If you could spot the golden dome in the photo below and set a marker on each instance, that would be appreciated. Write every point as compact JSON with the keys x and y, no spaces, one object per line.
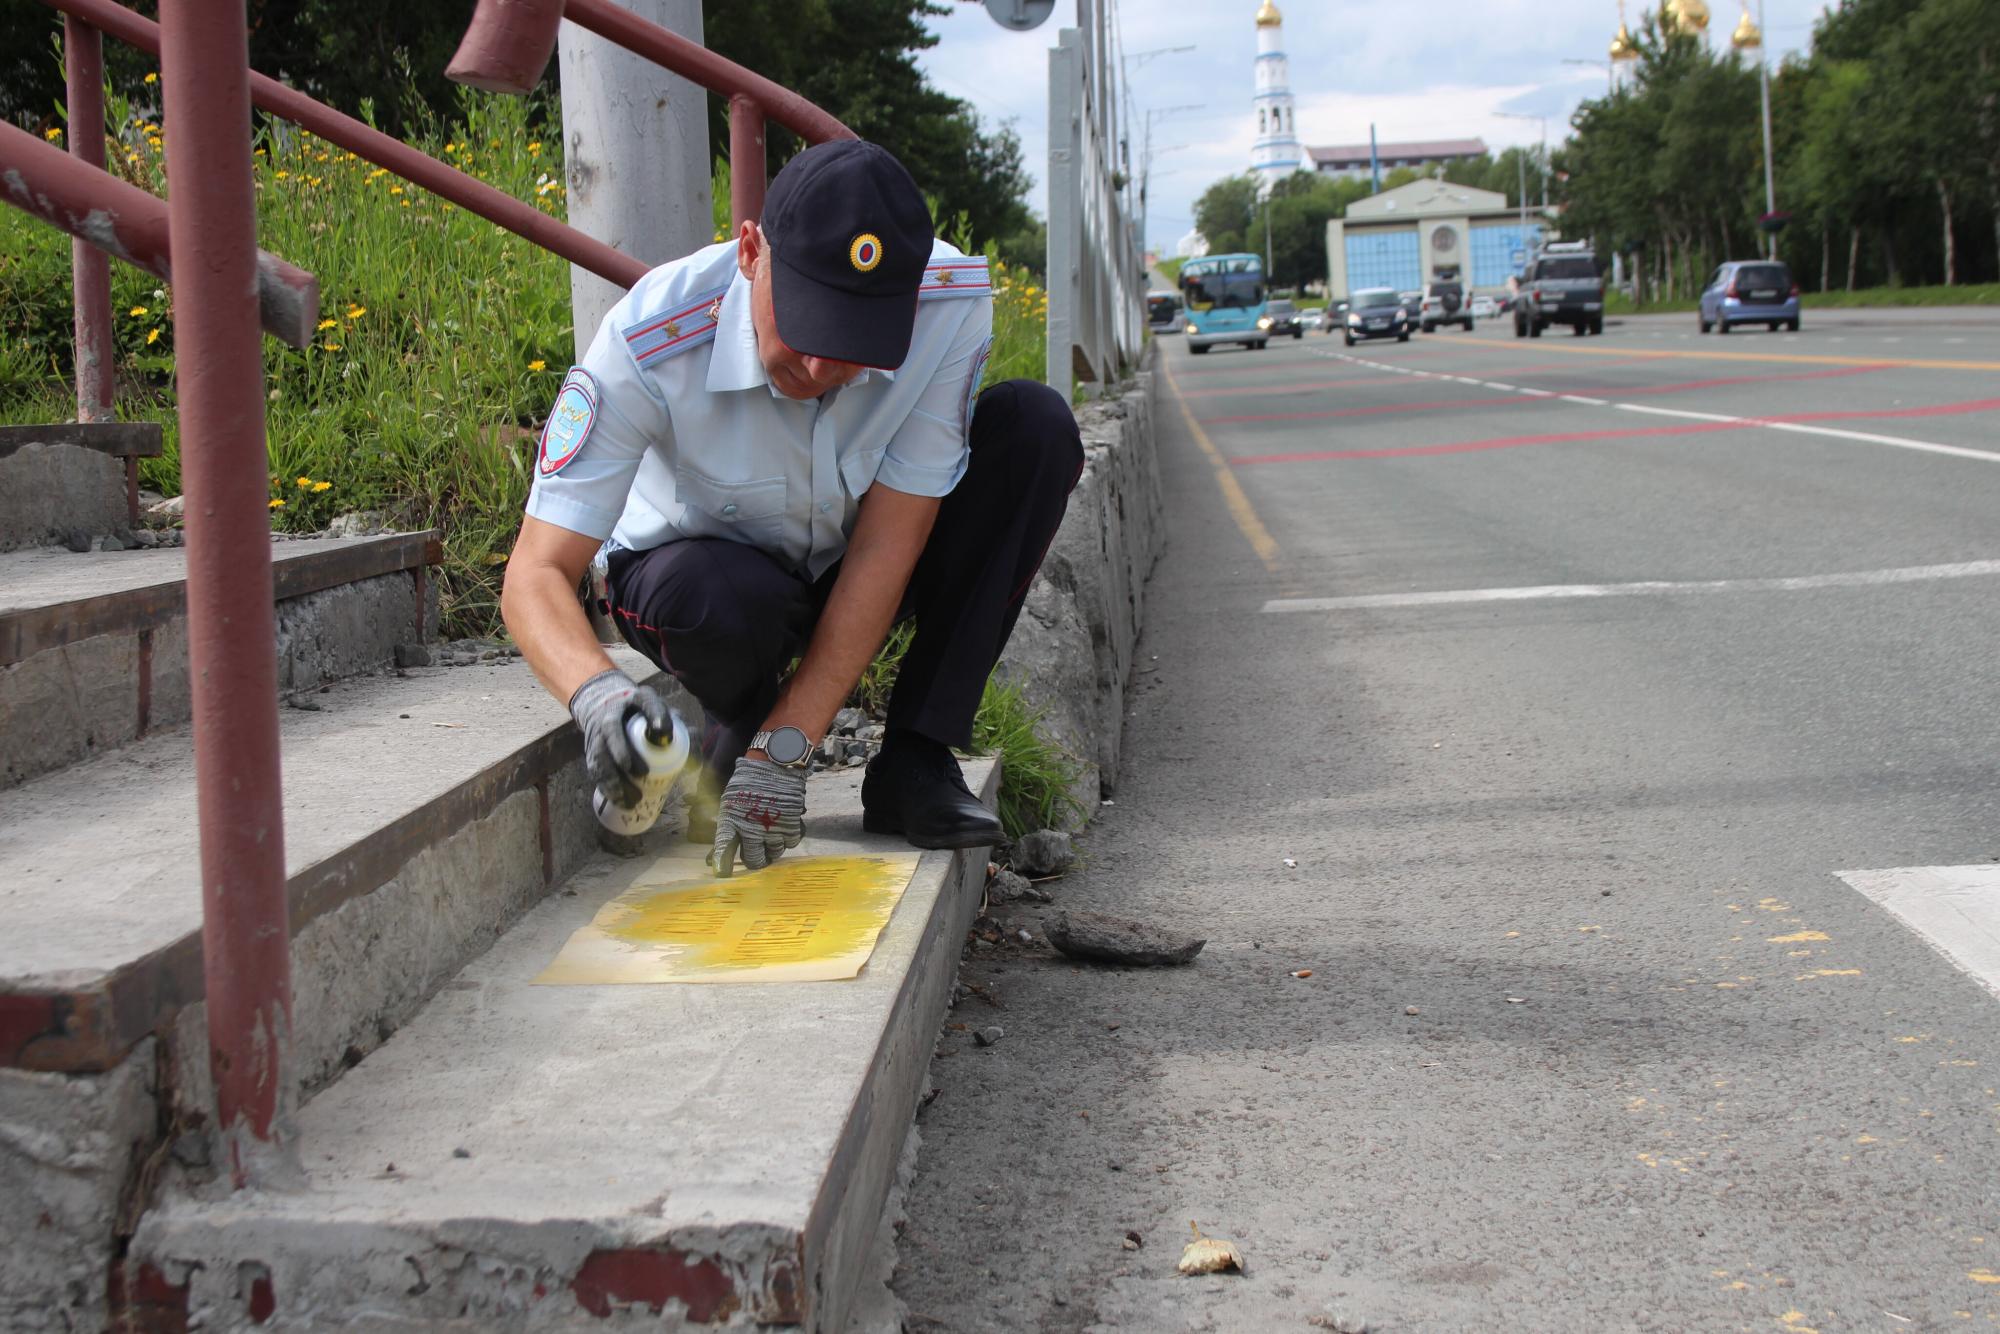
{"x":1622,"y":46}
{"x":1746,"y":37}
{"x":1268,"y":15}
{"x":1686,"y":15}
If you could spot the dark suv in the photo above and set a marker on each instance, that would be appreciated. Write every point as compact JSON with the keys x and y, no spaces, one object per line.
{"x":1445,"y":303}
{"x":1562,"y":286}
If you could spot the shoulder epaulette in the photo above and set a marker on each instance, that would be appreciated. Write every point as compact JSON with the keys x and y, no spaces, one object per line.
{"x":685,"y":324}
{"x":962,"y":276}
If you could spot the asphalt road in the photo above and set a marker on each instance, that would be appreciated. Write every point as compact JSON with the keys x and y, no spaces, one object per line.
{"x":1597,"y":1036}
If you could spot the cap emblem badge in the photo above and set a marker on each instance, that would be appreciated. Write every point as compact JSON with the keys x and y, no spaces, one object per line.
{"x":865,"y":253}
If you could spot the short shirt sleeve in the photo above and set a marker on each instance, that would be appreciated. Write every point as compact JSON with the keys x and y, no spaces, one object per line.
{"x":929,"y":452}
{"x":605,"y":417}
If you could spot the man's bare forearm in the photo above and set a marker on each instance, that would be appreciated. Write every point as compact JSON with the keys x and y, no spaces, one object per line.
{"x":540,"y":607}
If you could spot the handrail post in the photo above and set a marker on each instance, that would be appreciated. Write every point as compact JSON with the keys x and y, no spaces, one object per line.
{"x":246,"y":940}
{"x":90,"y":268}
{"x":747,"y":163}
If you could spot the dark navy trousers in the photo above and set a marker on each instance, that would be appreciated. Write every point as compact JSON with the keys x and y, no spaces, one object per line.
{"x":725,"y":619}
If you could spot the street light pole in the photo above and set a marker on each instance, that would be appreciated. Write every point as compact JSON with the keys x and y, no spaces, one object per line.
{"x":1770,"y":180}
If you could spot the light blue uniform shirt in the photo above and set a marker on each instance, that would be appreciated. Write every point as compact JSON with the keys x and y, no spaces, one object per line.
{"x":669,"y":428}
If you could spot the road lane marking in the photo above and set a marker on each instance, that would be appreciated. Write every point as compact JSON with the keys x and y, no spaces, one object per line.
{"x":1240,"y":508}
{"x":1647,"y":588}
{"x":1953,"y":909}
{"x":1798,"y":423}
{"x":1802,"y":358}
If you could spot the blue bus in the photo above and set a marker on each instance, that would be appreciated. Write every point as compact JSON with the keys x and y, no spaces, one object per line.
{"x":1224,"y":295}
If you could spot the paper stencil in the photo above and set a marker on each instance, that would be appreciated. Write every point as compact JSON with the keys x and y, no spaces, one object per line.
{"x":805,"y":919}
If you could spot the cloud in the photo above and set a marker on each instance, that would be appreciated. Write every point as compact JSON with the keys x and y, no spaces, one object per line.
{"x":1415,"y":69}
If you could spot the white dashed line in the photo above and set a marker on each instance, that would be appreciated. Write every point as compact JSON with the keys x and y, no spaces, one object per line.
{"x":1796,"y":428}
{"x":1648,"y":588}
{"x":1495,"y":384}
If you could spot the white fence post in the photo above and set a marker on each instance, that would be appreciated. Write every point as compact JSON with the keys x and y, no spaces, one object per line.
{"x":1096,"y":278}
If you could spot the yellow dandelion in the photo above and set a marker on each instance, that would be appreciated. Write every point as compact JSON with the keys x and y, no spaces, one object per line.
{"x":328,"y":324}
{"x":152,"y":337}
{"x":51,"y":135}
{"x":137,"y":311}
{"x":258,"y":153}
{"x":535,"y":147}
{"x":449,"y":147}
{"x":277,"y":504}
{"x":154,"y":141}
{"x":305,"y":481}
{"x":356,"y":312}
{"x":282,"y":174}
{"x":322,"y":486}
{"x":331,"y":347}
{"x":395,"y":189}
{"x":152,"y":78}
{"x":538,"y":365}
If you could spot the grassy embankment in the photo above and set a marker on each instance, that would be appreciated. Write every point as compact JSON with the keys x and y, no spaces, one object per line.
{"x":441,"y":343}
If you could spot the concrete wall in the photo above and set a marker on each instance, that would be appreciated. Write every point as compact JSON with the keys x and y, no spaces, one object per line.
{"x":68,"y":1146}
{"x":1072,"y":649}
{"x":66,"y":704}
{"x":49,"y":490}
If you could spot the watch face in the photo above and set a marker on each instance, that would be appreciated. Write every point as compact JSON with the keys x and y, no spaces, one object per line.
{"x":787,"y":745}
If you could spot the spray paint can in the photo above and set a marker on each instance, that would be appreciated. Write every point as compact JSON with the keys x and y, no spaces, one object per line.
{"x":664,"y":762}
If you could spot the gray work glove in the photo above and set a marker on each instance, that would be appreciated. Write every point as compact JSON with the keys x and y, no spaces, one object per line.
{"x":762,"y":812}
{"x":601,"y":707}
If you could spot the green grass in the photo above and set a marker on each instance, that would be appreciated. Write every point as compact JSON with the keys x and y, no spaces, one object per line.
{"x":443,"y":338}
{"x":1035,"y":773}
{"x":1964,"y":294}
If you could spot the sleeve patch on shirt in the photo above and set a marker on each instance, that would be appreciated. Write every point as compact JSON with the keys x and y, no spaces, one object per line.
{"x":972,"y":386}
{"x":569,"y":421}
{"x":681,"y":326}
{"x":967,"y":276}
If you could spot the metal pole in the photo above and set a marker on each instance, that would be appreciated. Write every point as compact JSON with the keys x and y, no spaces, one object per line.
{"x":1545,"y":165}
{"x":90,"y":267}
{"x":635,"y":154}
{"x":232,"y":660}
{"x":1764,"y":85}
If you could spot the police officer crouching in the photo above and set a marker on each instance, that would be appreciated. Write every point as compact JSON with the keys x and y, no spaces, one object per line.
{"x":780,"y":445}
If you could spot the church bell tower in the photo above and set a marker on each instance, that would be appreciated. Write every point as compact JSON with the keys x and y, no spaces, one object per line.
{"x":1275,"y":153}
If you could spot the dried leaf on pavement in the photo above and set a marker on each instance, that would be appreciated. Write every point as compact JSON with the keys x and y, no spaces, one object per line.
{"x":1209,"y":1255}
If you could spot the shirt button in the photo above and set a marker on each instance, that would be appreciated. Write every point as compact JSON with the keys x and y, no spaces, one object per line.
{"x":825,"y":505}
{"x":728,"y":510}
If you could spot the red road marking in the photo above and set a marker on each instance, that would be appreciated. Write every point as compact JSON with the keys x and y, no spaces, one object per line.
{"x":1625,"y":433}
{"x":1551,"y":389}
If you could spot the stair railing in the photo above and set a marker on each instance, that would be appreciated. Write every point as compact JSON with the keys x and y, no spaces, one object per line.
{"x":203,"y":240}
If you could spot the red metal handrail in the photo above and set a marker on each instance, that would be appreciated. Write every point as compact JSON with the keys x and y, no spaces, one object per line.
{"x":509,"y":42}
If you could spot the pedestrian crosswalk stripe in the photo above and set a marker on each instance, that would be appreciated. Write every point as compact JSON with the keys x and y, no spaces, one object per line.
{"x":1953,"y":909}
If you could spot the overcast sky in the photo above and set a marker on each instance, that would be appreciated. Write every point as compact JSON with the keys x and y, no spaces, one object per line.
{"x":1418,"y":69}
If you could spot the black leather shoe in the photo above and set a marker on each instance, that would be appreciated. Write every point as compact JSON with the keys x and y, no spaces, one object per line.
{"x":923,"y":797}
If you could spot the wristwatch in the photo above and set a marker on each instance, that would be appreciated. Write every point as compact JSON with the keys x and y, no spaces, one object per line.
{"x":786,"y":747}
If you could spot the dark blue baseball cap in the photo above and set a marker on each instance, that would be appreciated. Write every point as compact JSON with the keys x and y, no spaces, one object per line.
{"x":850,"y":235}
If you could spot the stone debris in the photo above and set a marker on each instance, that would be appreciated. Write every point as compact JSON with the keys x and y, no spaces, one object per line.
{"x":1045,"y":852}
{"x":1007,"y":887}
{"x":849,"y":722}
{"x":1103,"y":939}
{"x":361,"y":523}
{"x":169,"y":509}
{"x":413,"y":655}
{"x":1411,"y":1010}
{"x":989,"y":1035}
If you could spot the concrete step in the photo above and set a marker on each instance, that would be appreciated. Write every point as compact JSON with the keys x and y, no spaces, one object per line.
{"x":547,"y":1158}
{"x":72,"y":478}
{"x":423,"y":813}
{"x":93,"y":646}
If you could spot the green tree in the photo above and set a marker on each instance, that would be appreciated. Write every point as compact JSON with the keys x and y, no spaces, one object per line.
{"x":1223,"y":214}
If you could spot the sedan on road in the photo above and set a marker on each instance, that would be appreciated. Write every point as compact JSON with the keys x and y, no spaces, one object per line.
{"x":1750,"y":292}
{"x":1377,"y":312}
{"x":1281,"y":317}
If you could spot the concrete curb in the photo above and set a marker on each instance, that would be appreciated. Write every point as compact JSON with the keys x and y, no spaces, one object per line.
{"x":1071,"y":652}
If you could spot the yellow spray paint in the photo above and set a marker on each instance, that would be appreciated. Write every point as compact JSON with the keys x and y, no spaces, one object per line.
{"x":1798,"y":937}
{"x":805,"y":919}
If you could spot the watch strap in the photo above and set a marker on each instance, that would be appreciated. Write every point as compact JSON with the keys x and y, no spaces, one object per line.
{"x":761,"y":741}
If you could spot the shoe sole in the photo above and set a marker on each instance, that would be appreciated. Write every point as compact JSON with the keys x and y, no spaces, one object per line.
{"x":882,"y":824}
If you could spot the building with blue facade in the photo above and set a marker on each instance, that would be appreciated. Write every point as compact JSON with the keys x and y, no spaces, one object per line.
{"x":1430,"y":230}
